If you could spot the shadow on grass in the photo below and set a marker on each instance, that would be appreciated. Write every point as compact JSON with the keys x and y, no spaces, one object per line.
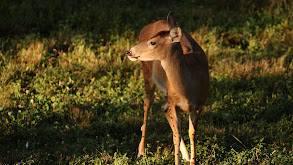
{"x":63,"y":137}
{"x":248,"y":111}
{"x":105,"y":17}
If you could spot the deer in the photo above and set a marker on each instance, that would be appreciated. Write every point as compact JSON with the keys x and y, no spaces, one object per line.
{"x":172,"y":61}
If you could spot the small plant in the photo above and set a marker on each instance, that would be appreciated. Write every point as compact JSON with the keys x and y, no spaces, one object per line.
{"x":83,"y":118}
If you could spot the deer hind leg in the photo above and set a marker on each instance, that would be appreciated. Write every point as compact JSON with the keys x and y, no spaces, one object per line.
{"x":193,"y":120}
{"x":183,"y":149}
{"x":149,"y":89}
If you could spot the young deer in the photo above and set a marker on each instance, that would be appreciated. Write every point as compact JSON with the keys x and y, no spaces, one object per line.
{"x":175,"y":63}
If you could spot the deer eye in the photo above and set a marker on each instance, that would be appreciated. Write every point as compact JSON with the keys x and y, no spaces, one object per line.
{"x":153,"y":43}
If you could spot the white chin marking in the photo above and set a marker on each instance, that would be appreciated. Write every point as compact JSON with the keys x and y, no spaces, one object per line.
{"x":132,"y":59}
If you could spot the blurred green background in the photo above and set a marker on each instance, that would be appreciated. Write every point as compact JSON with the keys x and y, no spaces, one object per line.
{"x":68,"y":95}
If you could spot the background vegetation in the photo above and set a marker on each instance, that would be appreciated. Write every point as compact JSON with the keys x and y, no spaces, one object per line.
{"x":69,"y":95}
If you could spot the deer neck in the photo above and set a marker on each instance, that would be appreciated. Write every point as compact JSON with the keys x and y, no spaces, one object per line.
{"x":174,"y":66}
{"x":174,"y":59}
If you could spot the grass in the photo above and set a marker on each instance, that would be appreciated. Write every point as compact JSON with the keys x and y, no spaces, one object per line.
{"x":70,"y":96}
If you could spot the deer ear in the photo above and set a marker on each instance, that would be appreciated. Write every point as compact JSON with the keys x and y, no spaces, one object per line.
{"x":171,"y":20}
{"x":176,"y":34}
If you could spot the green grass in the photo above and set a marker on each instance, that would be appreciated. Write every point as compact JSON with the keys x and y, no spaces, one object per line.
{"x":68,"y":95}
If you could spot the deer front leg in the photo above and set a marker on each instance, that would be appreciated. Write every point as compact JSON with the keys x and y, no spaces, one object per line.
{"x":193,"y":120}
{"x":175,"y":125}
{"x":146,"y":107}
{"x":183,"y":149}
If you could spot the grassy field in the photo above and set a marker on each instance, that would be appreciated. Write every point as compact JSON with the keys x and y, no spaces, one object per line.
{"x":68,"y":94}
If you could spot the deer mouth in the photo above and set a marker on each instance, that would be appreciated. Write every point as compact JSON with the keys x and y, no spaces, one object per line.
{"x":132,"y":58}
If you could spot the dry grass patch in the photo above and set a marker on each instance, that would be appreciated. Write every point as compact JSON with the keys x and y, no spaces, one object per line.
{"x":248,"y":67}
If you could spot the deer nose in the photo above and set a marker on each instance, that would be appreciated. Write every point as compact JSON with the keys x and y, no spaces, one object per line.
{"x":128,"y":53}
